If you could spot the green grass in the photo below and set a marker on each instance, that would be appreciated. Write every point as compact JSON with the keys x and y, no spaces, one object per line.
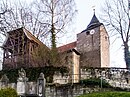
{"x":107,"y":94}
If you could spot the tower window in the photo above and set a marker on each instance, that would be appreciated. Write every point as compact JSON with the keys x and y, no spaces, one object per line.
{"x":88,"y":32}
{"x":106,"y":38}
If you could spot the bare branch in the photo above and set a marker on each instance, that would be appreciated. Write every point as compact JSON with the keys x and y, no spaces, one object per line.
{"x":117,"y":18}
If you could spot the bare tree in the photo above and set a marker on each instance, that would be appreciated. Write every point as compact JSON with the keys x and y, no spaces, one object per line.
{"x":44,"y":18}
{"x":3,"y":10}
{"x":19,"y":14}
{"x":116,"y":18}
{"x":56,"y":15}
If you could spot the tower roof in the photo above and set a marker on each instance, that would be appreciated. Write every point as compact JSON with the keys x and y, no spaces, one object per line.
{"x":93,"y":23}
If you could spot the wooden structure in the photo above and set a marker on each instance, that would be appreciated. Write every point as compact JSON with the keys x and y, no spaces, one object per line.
{"x":19,"y":48}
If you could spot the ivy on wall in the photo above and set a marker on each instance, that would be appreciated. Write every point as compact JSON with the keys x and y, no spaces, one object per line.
{"x":33,"y":73}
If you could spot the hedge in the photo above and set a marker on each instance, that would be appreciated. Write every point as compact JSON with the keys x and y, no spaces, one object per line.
{"x":95,"y":82}
{"x":8,"y":92}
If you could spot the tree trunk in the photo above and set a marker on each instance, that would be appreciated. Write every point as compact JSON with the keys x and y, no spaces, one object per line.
{"x":53,"y":46}
{"x":127,"y":55}
{"x":53,"y":37}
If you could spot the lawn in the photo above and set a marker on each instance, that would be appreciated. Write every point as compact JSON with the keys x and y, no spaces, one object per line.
{"x":107,"y":94}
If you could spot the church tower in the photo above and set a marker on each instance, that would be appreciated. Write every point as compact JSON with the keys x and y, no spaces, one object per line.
{"x":93,"y":45}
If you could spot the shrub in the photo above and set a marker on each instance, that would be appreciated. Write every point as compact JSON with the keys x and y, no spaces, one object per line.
{"x":95,"y":82}
{"x":8,"y":92}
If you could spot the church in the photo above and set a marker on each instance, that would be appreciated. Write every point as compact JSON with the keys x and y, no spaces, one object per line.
{"x":92,"y":45}
{"x":90,"y":50}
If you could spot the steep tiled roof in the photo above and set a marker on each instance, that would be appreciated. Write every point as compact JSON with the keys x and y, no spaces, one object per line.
{"x":67,"y":47}
{"x":93,"y":23}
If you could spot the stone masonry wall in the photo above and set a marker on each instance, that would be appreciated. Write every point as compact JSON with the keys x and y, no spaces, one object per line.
{"x":104,"y":43}
{"x":89,"y":47}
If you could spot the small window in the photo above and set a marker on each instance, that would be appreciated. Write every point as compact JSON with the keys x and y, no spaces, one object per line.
{"x":88,"y":32}
{"x":106,"y":38}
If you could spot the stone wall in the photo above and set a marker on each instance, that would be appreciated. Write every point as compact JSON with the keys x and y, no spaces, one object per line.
{"x":69,"y":59}
{"x":94,"y":48}
{"x":116,"y":77}
{"x":104,"y":47}
{"x":71,"y":90}
{"x":89,"y":47}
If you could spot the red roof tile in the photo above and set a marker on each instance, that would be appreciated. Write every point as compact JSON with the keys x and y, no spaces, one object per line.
{"x":67,"y":47}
